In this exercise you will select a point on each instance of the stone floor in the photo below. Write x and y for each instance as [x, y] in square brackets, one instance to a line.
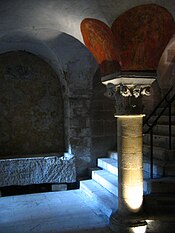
[51, 212]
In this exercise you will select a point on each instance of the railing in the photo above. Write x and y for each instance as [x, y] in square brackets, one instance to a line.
[165, 103]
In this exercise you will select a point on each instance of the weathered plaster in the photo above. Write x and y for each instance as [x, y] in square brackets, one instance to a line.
[32, 108]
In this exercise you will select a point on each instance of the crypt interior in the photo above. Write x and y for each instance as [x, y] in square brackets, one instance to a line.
[87, 116]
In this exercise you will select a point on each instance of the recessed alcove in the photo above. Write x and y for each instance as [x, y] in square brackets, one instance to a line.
[32, 135]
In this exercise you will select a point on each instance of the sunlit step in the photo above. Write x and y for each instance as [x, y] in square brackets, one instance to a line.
[102, 199]
[108, 164]
[107, 180]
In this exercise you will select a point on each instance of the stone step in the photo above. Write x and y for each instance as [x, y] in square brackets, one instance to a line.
[90, 169]
[108, 164]
[159, 140]
[158, 168]
[160, 153]
[107, 180]
[162, 185]
[103, 199]
[166, 112]
[161, 129]
[159, 204]
[113, 154]
[164, 119]
[170, 168]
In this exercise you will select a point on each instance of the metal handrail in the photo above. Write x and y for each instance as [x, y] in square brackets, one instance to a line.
[168, 100]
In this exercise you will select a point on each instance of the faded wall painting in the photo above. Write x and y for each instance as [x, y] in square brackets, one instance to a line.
[31, 106]
[142, 34]
[100, 41]
[135, 41]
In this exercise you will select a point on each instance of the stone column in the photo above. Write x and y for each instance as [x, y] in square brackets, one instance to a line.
[129, 139]
[130, 178]
[128, 88]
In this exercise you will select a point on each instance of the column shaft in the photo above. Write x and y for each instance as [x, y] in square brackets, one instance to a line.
[130, 187]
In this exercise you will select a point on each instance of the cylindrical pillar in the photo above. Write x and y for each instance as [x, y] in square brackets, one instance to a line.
[130, 176]
[130, 164]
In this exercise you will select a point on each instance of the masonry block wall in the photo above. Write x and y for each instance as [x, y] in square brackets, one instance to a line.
[103, 123]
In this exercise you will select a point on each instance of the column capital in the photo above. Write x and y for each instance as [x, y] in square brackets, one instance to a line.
[128, 88]
[129, 83]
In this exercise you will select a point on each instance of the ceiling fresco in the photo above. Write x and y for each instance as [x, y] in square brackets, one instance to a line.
[142, 34]
[136, 40]
[100, 41]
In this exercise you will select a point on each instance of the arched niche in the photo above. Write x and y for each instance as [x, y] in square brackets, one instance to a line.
[31, 103]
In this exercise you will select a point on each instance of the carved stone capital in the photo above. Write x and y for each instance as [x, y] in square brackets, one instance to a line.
[135, 90]
[129, 83]
[127, 88]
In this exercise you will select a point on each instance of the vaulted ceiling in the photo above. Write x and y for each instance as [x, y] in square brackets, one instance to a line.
[51, 29]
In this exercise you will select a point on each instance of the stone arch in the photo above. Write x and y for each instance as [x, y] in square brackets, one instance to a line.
[75, 67]
[25, 40]
[68, 57]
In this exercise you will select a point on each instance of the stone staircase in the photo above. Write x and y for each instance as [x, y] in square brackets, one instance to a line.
[159, 195]
[164, 159]
[103, 187]
[159, 201]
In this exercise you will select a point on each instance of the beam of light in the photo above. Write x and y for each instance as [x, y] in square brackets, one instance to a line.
[130, 116]
[134, 197]
[69, 149]
[139, 229]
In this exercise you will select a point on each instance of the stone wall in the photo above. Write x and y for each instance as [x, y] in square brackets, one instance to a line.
[103, 123]
[80, 134]
[32, 111]
[89, 124]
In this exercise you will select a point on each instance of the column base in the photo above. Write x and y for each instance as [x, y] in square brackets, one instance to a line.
[127, 224]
